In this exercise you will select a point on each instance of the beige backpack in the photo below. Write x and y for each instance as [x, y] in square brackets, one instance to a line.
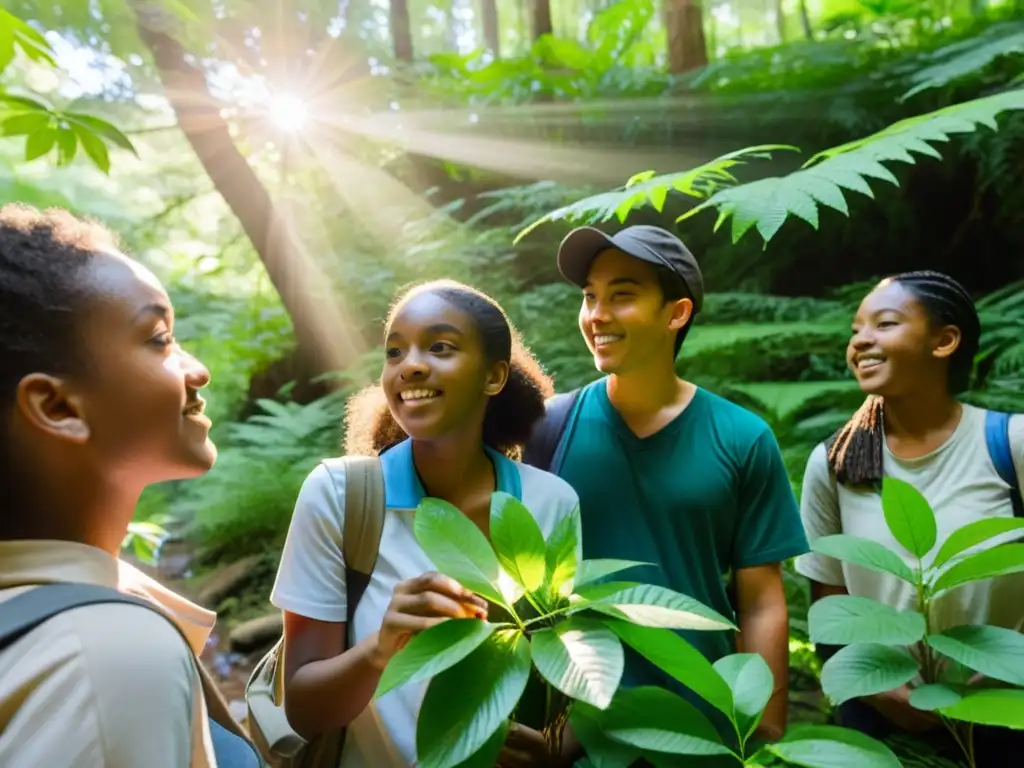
[279, 744]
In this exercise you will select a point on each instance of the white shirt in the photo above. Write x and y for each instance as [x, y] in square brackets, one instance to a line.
[311, 579]
[961, 484]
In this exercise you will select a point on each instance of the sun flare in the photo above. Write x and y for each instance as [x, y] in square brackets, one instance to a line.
[289, 113]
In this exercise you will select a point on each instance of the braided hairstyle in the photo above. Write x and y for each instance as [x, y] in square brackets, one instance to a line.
[371, 428]
[855, 452]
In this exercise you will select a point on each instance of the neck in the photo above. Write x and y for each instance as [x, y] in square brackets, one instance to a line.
[919, 415]
[646, 390]
[446, 467]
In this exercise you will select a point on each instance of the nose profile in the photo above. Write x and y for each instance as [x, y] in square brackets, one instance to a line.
[197, 375]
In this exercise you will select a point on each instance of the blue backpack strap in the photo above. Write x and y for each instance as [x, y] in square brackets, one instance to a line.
[540, 449]
[997, 437]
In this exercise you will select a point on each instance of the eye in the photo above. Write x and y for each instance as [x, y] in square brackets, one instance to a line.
[441, 347]
[886, 323]
[163, 340]
[588, 296]
[393, 352]
[622, 295]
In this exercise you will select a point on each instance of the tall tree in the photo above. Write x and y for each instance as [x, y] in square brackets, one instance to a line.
[684, 25]
[780, 21]
[805, 20]
[401, 29]
[542, 18]
[489, 16]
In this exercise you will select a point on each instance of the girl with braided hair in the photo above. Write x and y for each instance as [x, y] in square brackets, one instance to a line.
[912, 349]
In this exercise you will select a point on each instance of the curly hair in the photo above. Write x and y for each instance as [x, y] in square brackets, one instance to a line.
[370, 426]
[855, 452]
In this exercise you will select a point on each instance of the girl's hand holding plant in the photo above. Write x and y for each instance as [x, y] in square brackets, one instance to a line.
[421, 603]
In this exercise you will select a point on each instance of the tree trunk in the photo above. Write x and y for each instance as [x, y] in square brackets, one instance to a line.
[684, 26]
[489, 15]
[296, 278]
[780, 21]
[401, 30]
[542, 18]
[805, 20]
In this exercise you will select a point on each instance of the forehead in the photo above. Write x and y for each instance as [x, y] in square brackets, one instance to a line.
[121, 285]
[613, 265]
[892, 296]
[428, 312]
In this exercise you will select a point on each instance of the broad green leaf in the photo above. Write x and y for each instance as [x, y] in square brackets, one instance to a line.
[24, 124]
[651, 606]
[590, 571]
[517, 541]
[751, 682]
[865, 553]
[1002, 707]
[487, 755]
[847, 619]
[94, 148]
[865, 669]
[909, 516]
[973, 534]
[457, 547]
[102, 128]
[994, 651]
[934, 696]
[659, 720]
[602, 751]
[829, 746]
[561, 557]
[467, 703]
[433, 651]
[580, 657]
[671, 653]
[997, 561]
[39, 143]
[67, 143]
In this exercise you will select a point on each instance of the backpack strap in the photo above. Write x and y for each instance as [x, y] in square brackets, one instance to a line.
[539, 450]
[997, 437]
[23, 613]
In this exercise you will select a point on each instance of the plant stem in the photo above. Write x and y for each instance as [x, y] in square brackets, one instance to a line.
[557, 612]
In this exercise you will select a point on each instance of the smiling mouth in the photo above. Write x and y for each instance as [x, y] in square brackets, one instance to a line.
[869, 362]
[195, 409]
[419, 395]
[604, 339]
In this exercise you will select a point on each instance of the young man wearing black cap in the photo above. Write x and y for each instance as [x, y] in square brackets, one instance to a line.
[669, 473]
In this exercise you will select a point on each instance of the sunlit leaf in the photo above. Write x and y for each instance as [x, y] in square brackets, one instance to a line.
[580, 657]
[659, 720]
[562, 549]
[973, 534]
[996, 652]
[751, 682]
[865, 553]
[909, 516]
[94, 148]
[39, 143]
[102, 128]
[847, 619]
[997, 561]
[865, 669]
[829, 746]
[433, 651]
[590, 571]
[518, 541]
[25, 124]
[651, 606]
[1000, 707]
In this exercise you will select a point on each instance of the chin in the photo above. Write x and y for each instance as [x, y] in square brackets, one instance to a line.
[198, 462]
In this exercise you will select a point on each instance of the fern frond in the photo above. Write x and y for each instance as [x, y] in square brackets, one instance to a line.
[784, 399]
[767, 203]
[645, 187]
[966, 59]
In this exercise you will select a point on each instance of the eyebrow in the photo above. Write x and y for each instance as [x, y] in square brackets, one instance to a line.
[620, 281]
[160, 310]
[433, 330]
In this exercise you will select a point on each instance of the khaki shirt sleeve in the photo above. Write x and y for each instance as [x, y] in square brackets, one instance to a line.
[819, 510]
[124, 695]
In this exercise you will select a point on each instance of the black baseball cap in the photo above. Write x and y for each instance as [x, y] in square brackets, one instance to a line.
[651, 244]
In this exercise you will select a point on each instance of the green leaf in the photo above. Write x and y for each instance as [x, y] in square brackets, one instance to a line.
[847, 619]
[909, 516]
[751, 682]
[67, 143]
[457, 547]
[994, 651]
[602, 751]
[580, 657]
[25, 124]
[973, 534]
[102, 128]
[561, 557]
[829, 746]
[518, 541]
[94, 148]
[467, 703]
[865, 669]
[933, 696]
[865, 553]
[1001, 707]
[590, 571]
[659, 720]
[487, 755]
[997, 561]
[433, 651]
[671, 653]
[39, 143]
[651, 606]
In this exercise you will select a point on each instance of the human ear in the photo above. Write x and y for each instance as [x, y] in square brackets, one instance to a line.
[497, 377]
[682, 311]
[947, 341]
[48, 404]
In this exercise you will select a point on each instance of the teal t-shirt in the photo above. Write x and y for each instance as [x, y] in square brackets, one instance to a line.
[705, 495]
